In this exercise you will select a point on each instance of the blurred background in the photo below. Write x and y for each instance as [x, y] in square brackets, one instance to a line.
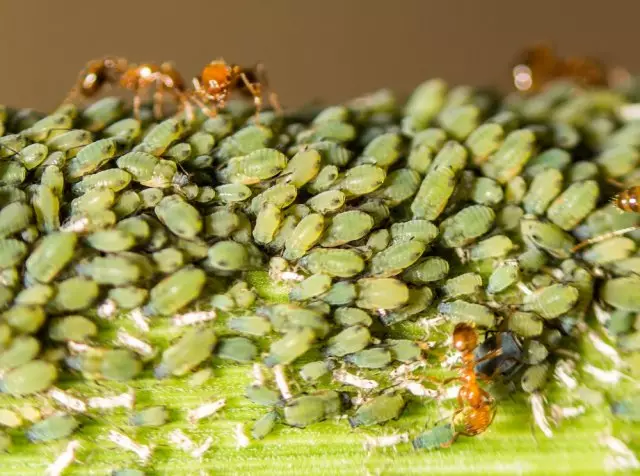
[329, 50]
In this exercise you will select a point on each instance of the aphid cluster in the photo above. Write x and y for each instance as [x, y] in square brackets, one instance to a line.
[346, 253]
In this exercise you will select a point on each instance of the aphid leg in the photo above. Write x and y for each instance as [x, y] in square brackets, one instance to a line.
[254, 89]
[603, 237]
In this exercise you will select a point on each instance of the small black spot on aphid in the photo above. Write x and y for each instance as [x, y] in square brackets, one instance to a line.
[223, 263]
[335, 201]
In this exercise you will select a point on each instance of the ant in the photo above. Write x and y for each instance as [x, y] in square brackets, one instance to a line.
[476, 406]
[539, 65]
[136, 78]
[218, 80]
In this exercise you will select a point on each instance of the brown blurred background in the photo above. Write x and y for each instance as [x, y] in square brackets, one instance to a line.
[330, 49]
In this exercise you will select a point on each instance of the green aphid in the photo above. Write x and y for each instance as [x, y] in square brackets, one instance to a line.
[229, 256]
[222, 302]
[459, 121]
[119, 365]
[201, 143]
[351, 316]
[158, 139]
[111, 241]
[383, 151]
[238, 349]
[574, 204]
[250, 325]
[244, 141]
[101, 113]
[150, 417]
[465, 226]
[404, 350]
[627, 409]
[548, 237]
[565, 135]
[419, 300]
[340, 263]
[125, 130]
[346, 227]
[440, 436]
[89, 222]
[534, 378]
[254, 167]
[324, 179]
[434, 193]
[11, 144]
[311, 287]
[30, 378]
[503, 276]
[378, 410]
[487, 192]
[515, 190]
[128, 297]
[557, 159]
[334, 131]
[195, 345]
[313, 371]
[534, 352]
[622, 293]
[5, 442]
[285, 317]
[332, 114]
[327, 202]
[35, 295]
[484, 141]
[233, 192]
[21, 350]
[426, 102]
[525, 324]
[176, 291]
[304, 410]
[463, 285]
[462, 311]
[264, 425]
[381, 293]
[615, 162]
[377, 209]
[432, 268]
[497, 246]
[27, 319]
[112, 179]
[243, 296]
[200, 162]
[12, 252]
[52, 178]
[340, 294]
[267, 223]
[219, 126]
[262, 395]
[614, 249]
[30, 235]
[306, 233]
[91, 157]
[399, 185]
[10, 419]
[55, 427]
[583, 170]
[372, 358]
[626, 267]
[551, 301]
[606, 219]
[206, 194]
[75, 294]
[139, 165]
[302, 168]
[93, 200]
[291, 346]
[179, 216]
[10, 194]
[544, 188]
[331, 153]
[380, 239]
[33, 155]
[72, 328]
[350, 340]
[424, 145]
[6, 295]
[178, 152]
[15, 217]
[9, 278]
[280, 195]
[193, 250]
[126, 204]
[396, 258]
[452, 156]
[39, 131]
[113, 270]
[168, 260]
[509, 160]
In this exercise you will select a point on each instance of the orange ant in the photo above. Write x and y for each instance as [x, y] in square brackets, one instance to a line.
[136, 78]
[218, 80]
[539, 65]
[476, 406]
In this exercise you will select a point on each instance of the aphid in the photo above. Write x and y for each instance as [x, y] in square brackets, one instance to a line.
[396, 258]
[75, 328]
[119, 365]
[176, 291]
[18, 352]
[440, 436]
[91, 157]
[350, 340]
[12, 253]
[259, 165]
[27, 319]
[502, 277]
[123, 441]
[74, 294]
[464, 284]
[150, 417]
[53, 428]
[188, 352]
[327, 202]
[238, 349]
[291, 346]
[280, 195]
[138, 346]
[548, 237]
[509, 160]
[306, 233]
[351, 316]
[434, 193]
[264, 425]
[340, 294]
[267, 222]
[379, 409]
[339, 263]
[465, 226]
[251, 325]
[124, 400]
[10, 419]
[311, 287]
[324, 179]
[552, 301]
[381, 293]
[14, 218]
[461, 311]
[372, 358]
[621, 293]
[574, 204]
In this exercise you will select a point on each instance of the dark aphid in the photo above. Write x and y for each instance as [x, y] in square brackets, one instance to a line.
[440, 436]
[262, 395]
[378, 410]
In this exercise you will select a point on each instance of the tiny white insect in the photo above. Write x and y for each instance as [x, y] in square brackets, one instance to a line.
[405, 369]
[281, 382]
[384, 441]
[139, 319]
[417, 389]
[346, 378]
[78, 347]
[524, 288]
[537, 408]
[242, 440]
[181, 441]
[605, 349]
[563, 372]
[291, 276]
[602, 316]
[191, 318]
[206, 410]
[78, 225]
[623, 457]
[559, 413]
[68, 401]
[107, 309]
[610, 377]
[203, 448]
[258, 374]
[451, 392]
[139, 346]
[123, 441]
[125, 400]
[63, 461]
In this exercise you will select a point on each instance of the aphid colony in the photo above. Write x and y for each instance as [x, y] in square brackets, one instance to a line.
[344, 254]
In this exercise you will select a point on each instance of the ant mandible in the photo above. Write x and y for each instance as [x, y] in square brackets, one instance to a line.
[219, 79]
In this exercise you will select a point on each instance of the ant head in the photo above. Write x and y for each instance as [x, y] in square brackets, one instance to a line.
[465, 338]
[217, 76]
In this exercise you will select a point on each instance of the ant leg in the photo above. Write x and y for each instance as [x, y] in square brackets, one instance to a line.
[186, 106]
[261, 72]
[604, 236]
[158, 99]
[211, 112]
[489, 355]
[254, 89]
[137, 100]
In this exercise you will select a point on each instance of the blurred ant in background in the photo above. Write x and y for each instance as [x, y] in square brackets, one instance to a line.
[218, 80]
